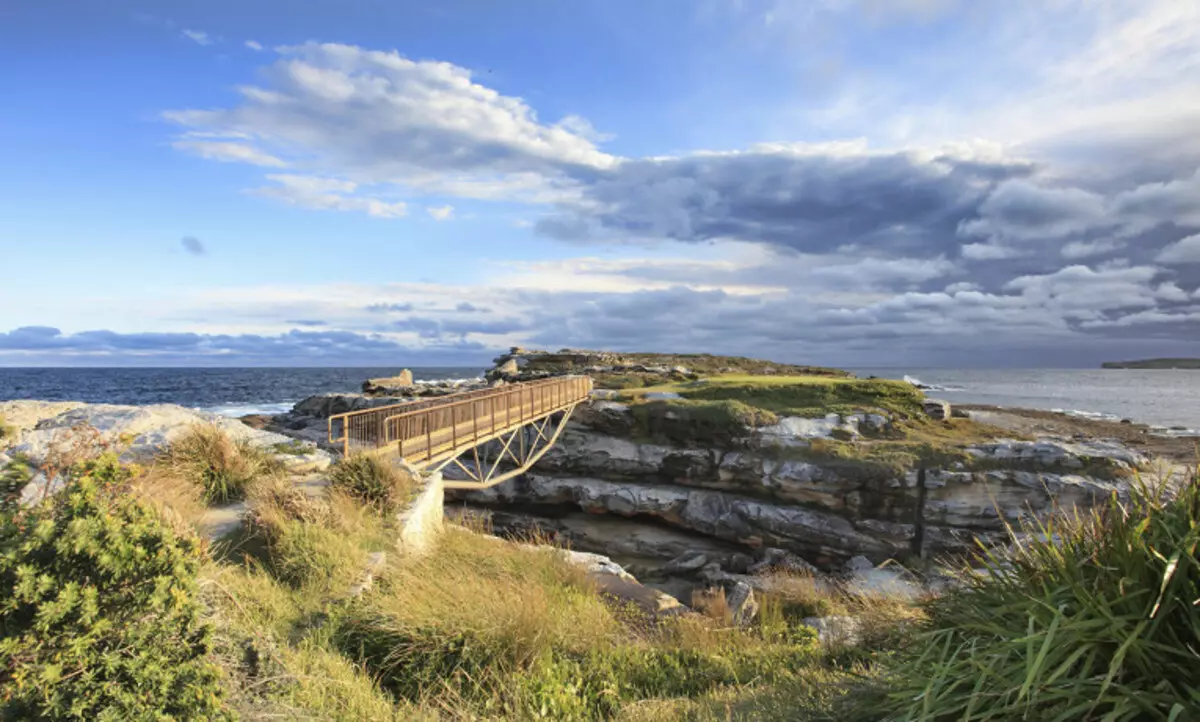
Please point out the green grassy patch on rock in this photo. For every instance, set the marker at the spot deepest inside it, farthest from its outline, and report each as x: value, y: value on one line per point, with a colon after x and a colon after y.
x: 687, y: 421
x: 808, y: 396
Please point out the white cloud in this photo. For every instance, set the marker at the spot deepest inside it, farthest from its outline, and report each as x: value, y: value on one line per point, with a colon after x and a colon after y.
x: 988, y: 252
x: 253, y: 45
x: 1186, y: 250
x: 961, y: 287
x: 1086, y: 249
x: 329, y: 194
x: 440, y: 213
x: 379, y: 117
x: 198, y: 36
x: 229, y: 152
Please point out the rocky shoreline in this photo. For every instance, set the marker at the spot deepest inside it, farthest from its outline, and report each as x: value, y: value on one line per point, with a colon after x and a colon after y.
x: 642, y: 475
x: 682, y: 507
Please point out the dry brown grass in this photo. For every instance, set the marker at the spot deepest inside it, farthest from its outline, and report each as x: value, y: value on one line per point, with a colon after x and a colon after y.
x: 224, y: 468
x: 374, y: 480
x: 527, y: 599
x: 178, y: 500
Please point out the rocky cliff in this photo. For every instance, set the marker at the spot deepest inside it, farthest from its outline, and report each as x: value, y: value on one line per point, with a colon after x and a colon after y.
x: 706, y: 467
x: 778, y: 487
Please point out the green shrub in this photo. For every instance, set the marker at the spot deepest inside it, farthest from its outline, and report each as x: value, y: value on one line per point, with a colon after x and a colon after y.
x: 373, y: 480
x: 6, y: 431
x: 99, y: 618
x: 224, y: 468
x: 1090, y: 616
x: 13, y: 478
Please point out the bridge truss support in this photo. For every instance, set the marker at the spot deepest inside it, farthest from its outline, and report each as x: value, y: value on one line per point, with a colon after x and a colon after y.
x: 508, y: 454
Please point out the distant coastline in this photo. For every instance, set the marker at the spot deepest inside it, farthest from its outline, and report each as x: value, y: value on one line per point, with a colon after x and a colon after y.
x: 1155, y: 363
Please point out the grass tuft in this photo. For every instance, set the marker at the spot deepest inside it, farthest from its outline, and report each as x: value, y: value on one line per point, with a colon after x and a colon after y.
x: 1090, y: 615
x: 374, y: 480
x: 224, y: 468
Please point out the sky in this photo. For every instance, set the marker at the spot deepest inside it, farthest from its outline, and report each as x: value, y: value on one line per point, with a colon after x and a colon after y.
x: 927, y: 183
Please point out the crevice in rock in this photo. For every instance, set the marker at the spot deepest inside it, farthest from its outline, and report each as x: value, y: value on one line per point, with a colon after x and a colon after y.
x: 918, y: 541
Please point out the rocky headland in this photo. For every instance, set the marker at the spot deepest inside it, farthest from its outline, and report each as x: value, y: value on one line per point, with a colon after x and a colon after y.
x: 696, y: 469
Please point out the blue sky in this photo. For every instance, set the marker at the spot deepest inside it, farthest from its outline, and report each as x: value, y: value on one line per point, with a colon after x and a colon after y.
x: 855, y: 182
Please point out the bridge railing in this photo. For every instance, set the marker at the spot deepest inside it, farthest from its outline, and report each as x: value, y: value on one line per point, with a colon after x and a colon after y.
x: 460, y: 417
x: 436, y: 432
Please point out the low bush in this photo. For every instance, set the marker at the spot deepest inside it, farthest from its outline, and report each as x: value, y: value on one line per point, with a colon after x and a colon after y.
x: 373, y: 480
x: 6, y: 432
x: 1089, y: 616
x: 223, y: 467
x: 99, y: 618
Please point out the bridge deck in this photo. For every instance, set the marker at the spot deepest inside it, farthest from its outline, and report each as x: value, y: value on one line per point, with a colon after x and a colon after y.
x: 432, y: 431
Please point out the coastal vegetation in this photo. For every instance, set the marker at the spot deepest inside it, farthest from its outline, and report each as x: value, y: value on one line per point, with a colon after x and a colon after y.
x: 799, y: 395
x: 101, y: 617
x: 6, y: 432
x: 225, y: 468
x: 1089, y: 615
x: 119, y: 604
x: 373, y: 480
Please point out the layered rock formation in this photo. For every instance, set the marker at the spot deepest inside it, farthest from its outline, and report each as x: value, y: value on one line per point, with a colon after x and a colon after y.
x: 769, y: 489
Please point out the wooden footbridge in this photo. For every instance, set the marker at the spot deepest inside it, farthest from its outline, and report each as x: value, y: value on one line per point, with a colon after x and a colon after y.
x: 490, y: 435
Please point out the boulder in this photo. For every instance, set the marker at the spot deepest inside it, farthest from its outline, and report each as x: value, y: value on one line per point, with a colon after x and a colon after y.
x: 689, y: 562
x: 510, y: 370
x: 742, y: 603
x: 781, y: 560
x: 937, y: 409
x: 835, y: 631
x: 402, y: 380
x: 138, y: 433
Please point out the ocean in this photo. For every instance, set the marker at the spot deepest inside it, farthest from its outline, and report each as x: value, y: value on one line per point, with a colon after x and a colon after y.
x: 226, y: 391
x: 1164, y: 398
x: 1168, y: 399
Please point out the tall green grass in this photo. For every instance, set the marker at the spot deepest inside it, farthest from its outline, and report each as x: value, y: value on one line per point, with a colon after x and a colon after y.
x: 374, y: 480
x: 490, y: 629
x: 1090, y: 616
x: 224, y: 468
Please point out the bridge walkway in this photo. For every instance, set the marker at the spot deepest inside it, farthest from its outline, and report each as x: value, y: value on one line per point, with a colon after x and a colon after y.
x: 523, y: 419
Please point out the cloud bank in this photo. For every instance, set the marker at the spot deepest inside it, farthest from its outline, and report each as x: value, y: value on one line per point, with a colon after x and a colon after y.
x: 1058, y: 225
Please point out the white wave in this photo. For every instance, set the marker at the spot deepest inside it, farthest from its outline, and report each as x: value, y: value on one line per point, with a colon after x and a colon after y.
x: 929, y: 387
x: 238, y: 410
x: 1094, y: 415
x: 447, y: 382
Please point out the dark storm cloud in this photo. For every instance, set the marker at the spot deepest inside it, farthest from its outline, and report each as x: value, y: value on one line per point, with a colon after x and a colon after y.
x: 192, y: 245
x: 892, y: 204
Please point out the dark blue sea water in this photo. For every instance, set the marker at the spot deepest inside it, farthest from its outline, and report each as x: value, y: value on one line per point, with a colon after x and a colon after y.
x: 229, y: 391
x: 1163, y: 398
